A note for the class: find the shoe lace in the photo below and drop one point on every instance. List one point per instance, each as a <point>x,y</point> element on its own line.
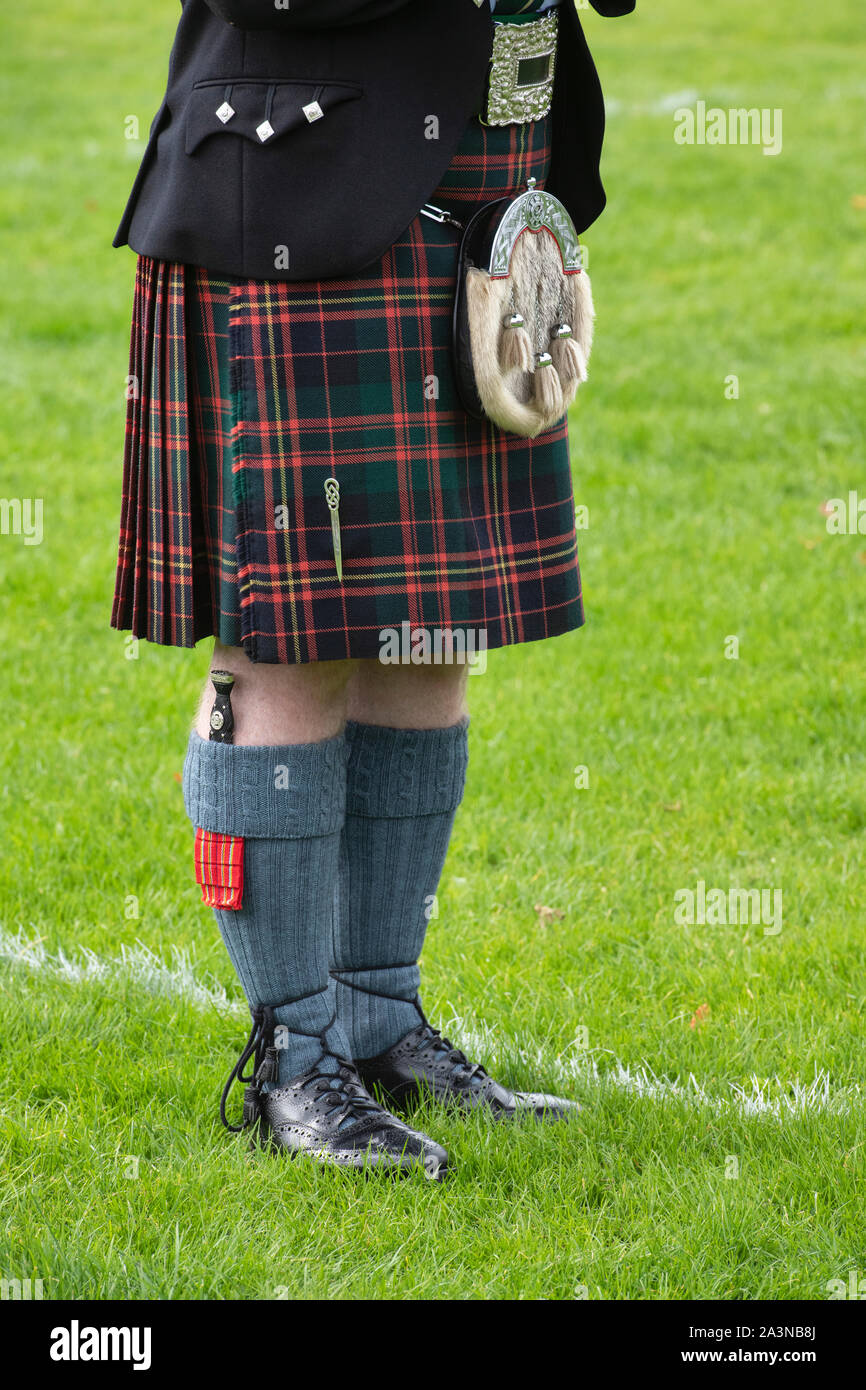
<point>341,1092</point>
<point>264,1068</point>
<point>431,1040</point>
<point>342,1089</point>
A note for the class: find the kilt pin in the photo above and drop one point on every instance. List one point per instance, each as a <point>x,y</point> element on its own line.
<point>246,396</point>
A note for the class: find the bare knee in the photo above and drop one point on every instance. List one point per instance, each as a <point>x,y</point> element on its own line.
<point>276,704</point>
<point>430,696</point>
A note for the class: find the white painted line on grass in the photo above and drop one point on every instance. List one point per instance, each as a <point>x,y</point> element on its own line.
<point>771,1097</point>
<point>768,1097</point>
<point>138,963</point>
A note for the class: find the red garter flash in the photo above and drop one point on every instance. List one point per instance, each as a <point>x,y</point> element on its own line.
<point>219,868</point>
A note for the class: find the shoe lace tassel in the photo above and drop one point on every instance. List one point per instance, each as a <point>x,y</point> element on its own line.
<point>260,1047</point>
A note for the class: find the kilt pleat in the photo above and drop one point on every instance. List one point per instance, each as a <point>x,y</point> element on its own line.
<point>154,527</point>
<point>251,394</point>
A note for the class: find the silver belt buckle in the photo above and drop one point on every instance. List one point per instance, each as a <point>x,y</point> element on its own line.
<point>521,72</point>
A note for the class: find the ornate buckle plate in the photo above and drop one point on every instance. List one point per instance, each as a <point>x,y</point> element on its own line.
<point>521,72</point>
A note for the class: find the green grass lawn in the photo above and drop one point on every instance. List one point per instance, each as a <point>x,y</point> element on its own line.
<point>699,1051</point>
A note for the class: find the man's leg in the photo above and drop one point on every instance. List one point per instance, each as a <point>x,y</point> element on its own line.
<point>407,743</point>
<point>277,795</point>
<point>407,767</point>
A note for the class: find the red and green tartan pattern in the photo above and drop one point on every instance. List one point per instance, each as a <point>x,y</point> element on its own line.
<point>219,868</point>
<point>165,564</point>
<point>254,393</point>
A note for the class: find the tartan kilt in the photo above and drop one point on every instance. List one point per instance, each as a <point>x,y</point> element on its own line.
<point>244,396</point>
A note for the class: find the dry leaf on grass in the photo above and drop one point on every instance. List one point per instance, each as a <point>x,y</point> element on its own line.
<point>548,914</point>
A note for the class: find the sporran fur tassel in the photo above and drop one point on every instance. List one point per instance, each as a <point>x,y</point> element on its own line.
<point>516,352</point>
<point>568,357</point>
<point>547,387</point>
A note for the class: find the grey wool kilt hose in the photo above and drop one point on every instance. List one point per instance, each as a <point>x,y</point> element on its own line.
<point>260,410</point>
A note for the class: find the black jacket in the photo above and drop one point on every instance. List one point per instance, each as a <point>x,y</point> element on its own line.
<point>397,80</point>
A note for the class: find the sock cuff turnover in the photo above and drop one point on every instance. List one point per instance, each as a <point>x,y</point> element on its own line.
<point>395,773</point>
<point>273,792</point>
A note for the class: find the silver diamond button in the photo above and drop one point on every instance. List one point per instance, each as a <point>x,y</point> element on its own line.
<point>264,131</point>
<point>225,112</point>
<point>313,111</point>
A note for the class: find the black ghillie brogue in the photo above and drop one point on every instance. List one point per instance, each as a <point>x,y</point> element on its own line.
<point>325,1113</point>
<point>423,1063</point>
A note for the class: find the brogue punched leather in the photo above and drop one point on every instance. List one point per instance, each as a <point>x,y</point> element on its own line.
<point>424,1063</point>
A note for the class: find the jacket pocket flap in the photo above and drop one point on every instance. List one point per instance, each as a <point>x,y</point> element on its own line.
<point>260,109</point>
